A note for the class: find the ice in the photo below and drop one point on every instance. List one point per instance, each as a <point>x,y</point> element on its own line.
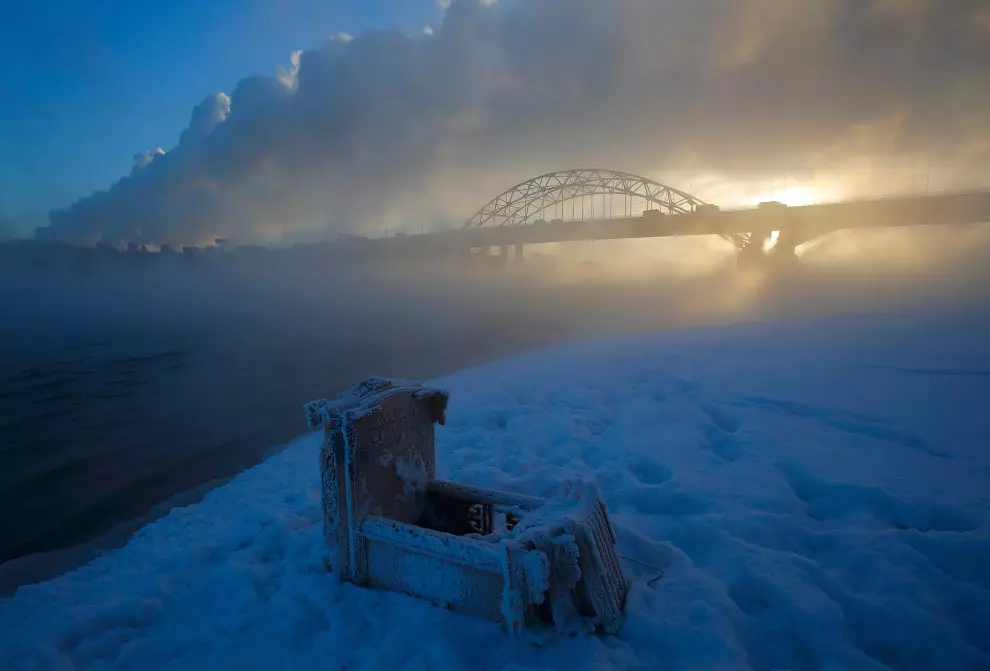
<point>817,495</point>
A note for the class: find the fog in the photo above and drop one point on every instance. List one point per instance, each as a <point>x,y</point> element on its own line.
<point>587,287</point>
<point>727,99</point>
<point>127,380</point>
<point>128,383</point>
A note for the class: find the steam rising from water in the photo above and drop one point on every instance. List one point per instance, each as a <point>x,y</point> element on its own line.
<point>387,129</point>
<point>129,383</point>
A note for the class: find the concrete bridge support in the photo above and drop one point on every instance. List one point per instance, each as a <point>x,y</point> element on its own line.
<point>518,253</point>
<point>766,251</point>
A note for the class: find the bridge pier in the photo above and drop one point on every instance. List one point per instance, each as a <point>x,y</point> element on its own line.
<point>763,250</point>
<point>518,253</point>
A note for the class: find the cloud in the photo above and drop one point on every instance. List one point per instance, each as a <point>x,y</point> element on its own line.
<point>387,128</point>
<point>144,158</point>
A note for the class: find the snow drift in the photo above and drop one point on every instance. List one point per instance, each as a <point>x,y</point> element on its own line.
<point>815,492</point>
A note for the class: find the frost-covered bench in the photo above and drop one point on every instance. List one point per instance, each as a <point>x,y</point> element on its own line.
<point>388,522</point>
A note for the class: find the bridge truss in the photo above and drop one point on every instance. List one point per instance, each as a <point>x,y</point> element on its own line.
<point>525,203</point>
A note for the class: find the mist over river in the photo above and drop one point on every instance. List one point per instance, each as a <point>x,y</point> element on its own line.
<point>125,391</point>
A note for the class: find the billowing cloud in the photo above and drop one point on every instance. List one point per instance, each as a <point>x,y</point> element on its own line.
<point>387,127</point>
<point>142,159</point>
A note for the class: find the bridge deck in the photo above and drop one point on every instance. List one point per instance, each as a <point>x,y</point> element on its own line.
<point>796,224</point>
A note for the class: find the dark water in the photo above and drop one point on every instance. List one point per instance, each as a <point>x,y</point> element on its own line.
<point>120,392</point>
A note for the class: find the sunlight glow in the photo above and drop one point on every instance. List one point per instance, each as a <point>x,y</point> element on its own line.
<point>795,196</point>
<point>771,242</point>
<point>802,195</point>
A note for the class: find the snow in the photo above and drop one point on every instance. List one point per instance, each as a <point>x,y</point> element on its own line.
<point>817,495</point>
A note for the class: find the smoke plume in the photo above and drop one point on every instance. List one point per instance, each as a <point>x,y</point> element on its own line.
<point>387,128</point>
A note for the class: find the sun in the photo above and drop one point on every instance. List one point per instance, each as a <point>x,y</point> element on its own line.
<point>802,195</point>
<point>797,195</point>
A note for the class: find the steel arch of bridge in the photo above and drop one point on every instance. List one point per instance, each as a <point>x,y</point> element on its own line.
<point>518,205</point>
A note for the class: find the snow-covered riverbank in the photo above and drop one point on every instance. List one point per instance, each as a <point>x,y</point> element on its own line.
<point>817,492</point>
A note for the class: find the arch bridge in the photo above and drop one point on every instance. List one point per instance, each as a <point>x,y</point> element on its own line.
<point>571,197</point>
<point>598,204</point>
<point>531,200</point>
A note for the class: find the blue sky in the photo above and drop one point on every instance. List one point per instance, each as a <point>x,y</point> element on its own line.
<point>86,84</point>
<point>825,102</point>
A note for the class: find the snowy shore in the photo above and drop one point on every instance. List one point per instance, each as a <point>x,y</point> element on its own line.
<point>817,492</point>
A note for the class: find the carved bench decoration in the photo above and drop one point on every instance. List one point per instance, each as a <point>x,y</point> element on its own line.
<point>529,562</point>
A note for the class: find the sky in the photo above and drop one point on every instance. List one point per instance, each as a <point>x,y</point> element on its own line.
<point>299,120</point>
<point>90,83</point>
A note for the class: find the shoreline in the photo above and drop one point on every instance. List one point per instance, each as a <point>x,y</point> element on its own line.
<point>766,467</point>
<point>458,343</point>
